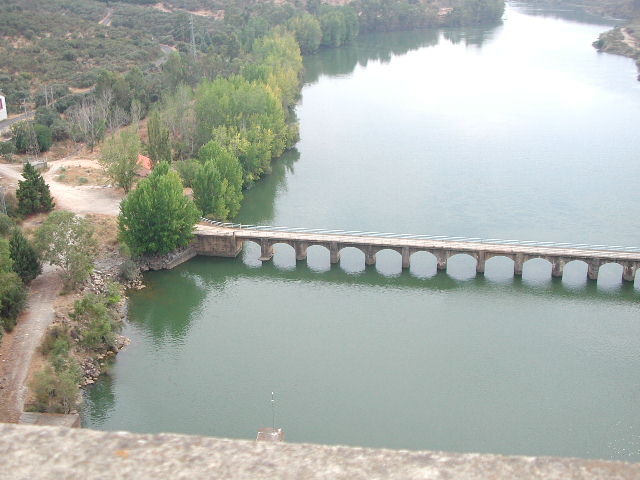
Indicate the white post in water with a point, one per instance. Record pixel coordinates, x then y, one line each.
273 411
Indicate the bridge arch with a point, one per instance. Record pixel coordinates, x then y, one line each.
423 263
389 261
462 265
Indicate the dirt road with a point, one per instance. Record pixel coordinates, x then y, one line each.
77 199
18 347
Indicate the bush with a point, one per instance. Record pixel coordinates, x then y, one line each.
129 270
6 224
56 386
44 136
187 170
59 130
7 149
98 323
13 297
26 262
56 341
46 116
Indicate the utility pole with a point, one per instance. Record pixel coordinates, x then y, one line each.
193 37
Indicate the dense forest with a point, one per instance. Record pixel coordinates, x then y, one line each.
62 45
218 81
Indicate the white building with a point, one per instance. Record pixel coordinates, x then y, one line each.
3 108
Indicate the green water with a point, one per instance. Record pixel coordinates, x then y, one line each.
518 131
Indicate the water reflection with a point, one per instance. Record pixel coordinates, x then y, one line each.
165 317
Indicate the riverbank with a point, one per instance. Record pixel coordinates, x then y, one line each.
624 40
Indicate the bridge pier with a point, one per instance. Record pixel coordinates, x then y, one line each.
266 251
557 267
518 264
301 251
369 256
406 258
629 271
592 271
481 261
334 253
441 257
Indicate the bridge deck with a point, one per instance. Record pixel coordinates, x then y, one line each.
420 244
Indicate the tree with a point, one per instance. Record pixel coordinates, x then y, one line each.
26 262
217 187
13 298
89 120
67 241
308 32
157 217
119 158
159 140
33 194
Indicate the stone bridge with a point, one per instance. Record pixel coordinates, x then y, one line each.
226 240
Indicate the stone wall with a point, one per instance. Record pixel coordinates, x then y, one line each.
32 453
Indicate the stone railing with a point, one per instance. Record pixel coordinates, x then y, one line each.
28 452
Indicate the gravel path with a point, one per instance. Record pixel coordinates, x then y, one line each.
17 348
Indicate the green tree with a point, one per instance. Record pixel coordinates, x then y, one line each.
13 298
307 31
98 323
6 262
44 137
159 140
33 194
26 262
56 386
157 217
67 241
119 158
217 187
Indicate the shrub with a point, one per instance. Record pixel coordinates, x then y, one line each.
45 137
187 170
129 270
56 386
13 297
6 224
59 130
98 323
26 262
54 341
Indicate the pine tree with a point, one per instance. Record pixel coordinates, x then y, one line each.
26 262
33 194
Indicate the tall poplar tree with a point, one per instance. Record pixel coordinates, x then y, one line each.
159 140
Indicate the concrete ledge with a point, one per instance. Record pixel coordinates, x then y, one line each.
32 452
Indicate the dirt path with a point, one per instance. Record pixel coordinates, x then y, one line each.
107 18
77 199
17 348
82 199
629 39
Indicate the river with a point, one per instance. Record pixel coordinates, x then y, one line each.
520 131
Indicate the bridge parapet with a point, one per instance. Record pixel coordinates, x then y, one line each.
226 240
